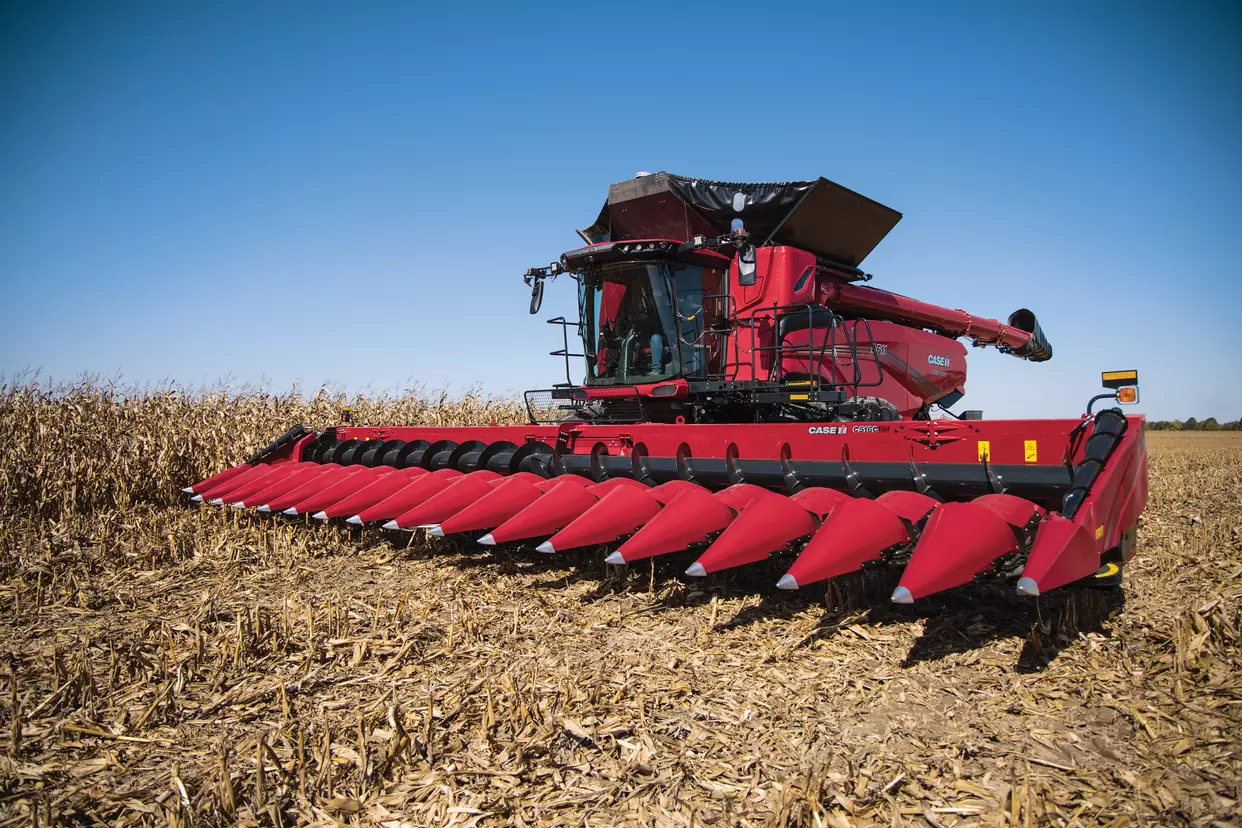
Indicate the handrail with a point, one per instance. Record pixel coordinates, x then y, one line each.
815 355
564 351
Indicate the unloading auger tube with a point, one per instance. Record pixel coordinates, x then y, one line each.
1041 503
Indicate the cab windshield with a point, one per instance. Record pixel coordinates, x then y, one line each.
645 322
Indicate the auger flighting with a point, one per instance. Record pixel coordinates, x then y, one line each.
745 395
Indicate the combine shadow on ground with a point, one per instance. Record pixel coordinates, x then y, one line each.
665 577
565 569
1062 616
957 621
779 605
774 603
971 617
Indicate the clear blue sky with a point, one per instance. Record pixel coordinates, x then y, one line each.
348 193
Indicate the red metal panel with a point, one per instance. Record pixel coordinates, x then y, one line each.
688 518
412 494
450 501
216 479
508 498
764 526
1066 550
302 473
317 483
619 512
245 494
930 441
854 534
379 489
250 484
355 478
226 484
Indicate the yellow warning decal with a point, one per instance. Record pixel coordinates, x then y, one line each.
1032 451
1119 376
985 450
1108 571
1099 532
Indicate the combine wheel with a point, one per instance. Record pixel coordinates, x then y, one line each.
873 409
1108 576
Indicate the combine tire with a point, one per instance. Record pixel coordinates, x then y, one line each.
1108 576
874 409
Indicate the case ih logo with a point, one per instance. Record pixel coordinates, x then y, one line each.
840 429
937 359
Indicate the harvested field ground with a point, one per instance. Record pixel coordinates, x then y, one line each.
163 664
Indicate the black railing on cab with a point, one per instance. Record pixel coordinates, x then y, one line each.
564 350
718 339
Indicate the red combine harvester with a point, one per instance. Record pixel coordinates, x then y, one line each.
746 395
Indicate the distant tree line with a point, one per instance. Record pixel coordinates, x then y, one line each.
1192 424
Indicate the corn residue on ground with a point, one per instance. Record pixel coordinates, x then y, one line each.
163 664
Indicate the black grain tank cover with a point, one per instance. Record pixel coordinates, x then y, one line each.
818 216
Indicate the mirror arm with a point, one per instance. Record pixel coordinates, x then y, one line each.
534 277
534 274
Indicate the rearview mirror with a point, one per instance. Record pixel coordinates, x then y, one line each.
746 266
536 296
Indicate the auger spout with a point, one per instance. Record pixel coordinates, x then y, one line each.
1022 337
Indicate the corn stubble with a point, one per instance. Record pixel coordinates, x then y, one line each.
168 665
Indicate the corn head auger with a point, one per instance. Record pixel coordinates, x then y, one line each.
745 394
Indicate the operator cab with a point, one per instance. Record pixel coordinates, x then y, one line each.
646 321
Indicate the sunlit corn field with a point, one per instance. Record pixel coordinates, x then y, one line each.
164 664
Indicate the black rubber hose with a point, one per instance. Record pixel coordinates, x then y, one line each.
280 442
